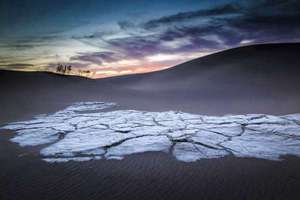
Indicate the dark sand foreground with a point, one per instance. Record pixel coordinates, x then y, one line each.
146 176
256 79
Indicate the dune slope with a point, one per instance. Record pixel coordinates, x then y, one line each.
253 79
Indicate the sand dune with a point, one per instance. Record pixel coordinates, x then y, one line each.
252 79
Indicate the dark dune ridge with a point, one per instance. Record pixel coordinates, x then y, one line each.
254 79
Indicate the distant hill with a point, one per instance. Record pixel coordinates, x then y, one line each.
253 79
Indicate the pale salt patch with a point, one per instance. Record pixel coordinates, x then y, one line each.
83 132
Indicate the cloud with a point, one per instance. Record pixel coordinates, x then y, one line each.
212 29
77 65
95 35
16 66
125 25
18 46
184 16
135 46
28 43
96 57
264 19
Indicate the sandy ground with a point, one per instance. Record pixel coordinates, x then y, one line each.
146 176
259 79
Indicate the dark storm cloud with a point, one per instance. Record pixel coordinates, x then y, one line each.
271 16
274 9
232 23
268 22
267 28
183 16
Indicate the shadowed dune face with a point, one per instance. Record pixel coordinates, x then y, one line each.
262 78
254 79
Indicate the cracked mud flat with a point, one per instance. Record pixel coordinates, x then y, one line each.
85 131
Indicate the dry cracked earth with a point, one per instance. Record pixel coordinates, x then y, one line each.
86 131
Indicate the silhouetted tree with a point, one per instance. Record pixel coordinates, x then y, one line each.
63 69
69 68
84 72
59 68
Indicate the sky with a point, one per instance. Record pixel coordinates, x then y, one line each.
117 37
